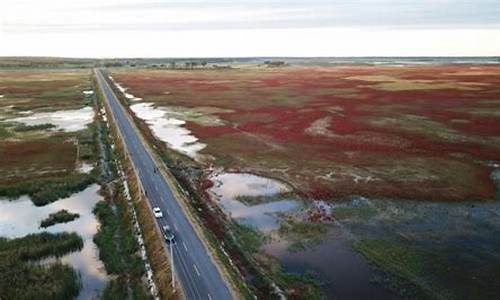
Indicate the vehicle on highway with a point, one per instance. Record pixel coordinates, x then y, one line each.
168 234
157 212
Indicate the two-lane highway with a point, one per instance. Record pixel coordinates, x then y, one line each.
197 272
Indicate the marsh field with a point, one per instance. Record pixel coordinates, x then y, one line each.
57 239
350 181
336 181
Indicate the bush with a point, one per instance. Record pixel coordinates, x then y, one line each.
23 127
37 246
29 281
20 278
115 239
62 216
118 289
45 191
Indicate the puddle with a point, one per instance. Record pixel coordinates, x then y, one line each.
67 120
228 186
122 89
168 129
85 168
21 217
89 92
344 273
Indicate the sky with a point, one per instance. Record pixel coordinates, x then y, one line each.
243 28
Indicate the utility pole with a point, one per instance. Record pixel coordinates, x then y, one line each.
172 264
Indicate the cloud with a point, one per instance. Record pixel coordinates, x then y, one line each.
196 15
405 27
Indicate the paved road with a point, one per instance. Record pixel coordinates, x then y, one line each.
196 271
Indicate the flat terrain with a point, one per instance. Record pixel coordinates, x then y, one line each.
402 153
197 273
47 153
35 152
426 132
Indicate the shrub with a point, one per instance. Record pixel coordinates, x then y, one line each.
62 216
23 127
20 278
44 191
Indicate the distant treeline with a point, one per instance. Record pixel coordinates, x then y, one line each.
45 63
217 62
164 63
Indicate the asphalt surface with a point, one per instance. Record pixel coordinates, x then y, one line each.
199 277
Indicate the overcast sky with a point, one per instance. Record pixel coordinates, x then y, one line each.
133 28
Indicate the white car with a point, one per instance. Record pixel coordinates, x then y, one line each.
157 212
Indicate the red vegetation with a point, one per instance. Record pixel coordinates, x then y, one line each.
422 132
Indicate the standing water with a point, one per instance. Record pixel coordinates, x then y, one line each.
228 186
168 129
344 273
21 217
67 120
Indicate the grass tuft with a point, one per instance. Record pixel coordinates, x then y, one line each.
20 278
62 216
45 191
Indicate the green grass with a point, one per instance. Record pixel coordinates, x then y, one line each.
396 257
45 191
302 232
55 281
115 239
254 200
37 246
402 264
118 248
248 237
302 286
62 216
118 289
87 142
20 278
24 127
361 212
4 133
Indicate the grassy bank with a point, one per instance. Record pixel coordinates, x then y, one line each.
256 200
44 191
118 248
115 238
402 265
118 251
24 127
50 281
48 165
62 216
302 233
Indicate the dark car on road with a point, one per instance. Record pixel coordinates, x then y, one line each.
168 234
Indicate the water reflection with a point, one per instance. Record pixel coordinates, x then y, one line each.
228 186
124 91
21 217
85 168
343 272
67 120
168 129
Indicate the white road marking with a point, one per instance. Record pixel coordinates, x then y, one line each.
209 297
186 248
196 269
175 226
